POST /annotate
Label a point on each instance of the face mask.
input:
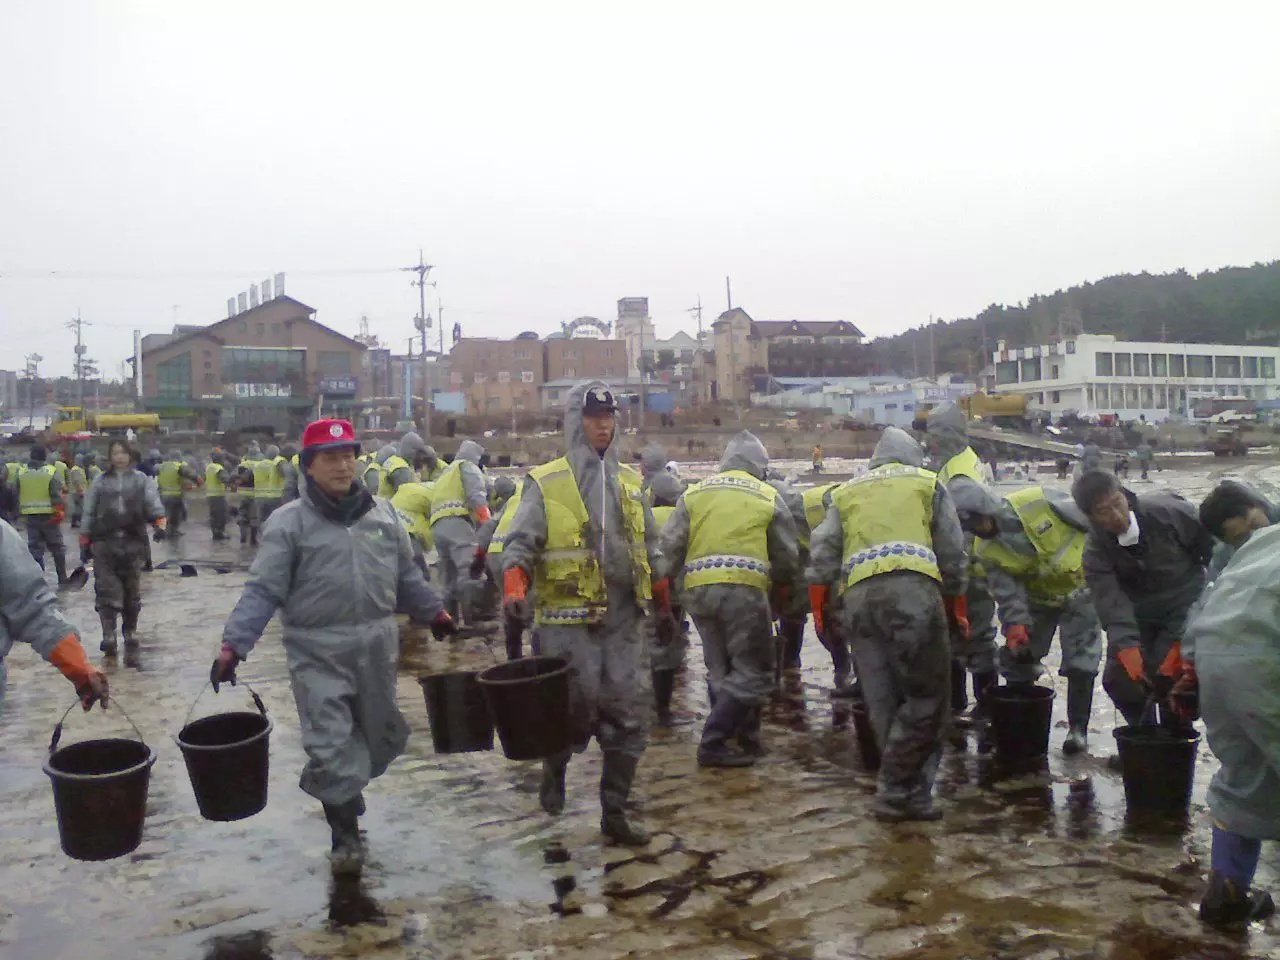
(1130, 536)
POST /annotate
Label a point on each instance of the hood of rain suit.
(653, 460)
(272, 451)
(385, 453)
(746, 452)
(253, 451)
(897, 446)
(947, 431)
(430, 455)
(504, 488)
(471, 451)
(411, 445)
(665, 490)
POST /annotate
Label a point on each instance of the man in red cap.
(340, 632)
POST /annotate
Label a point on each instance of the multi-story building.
(498, 376)
(266, 365)
(1097, 374)
(813, 348)
(8, 391)
(741, 355)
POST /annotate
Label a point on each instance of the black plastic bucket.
(100, 794)
(459, 714)
(1159, 766)
(1020, 721)
(866, 734)
(529, 702)
(227, 757)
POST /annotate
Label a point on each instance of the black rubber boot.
(664, 684)
(792, 642)
(749, 739)
(551, 792)
(60, 565)
(346, 853)
(959, 687)
(615, 786)
(1225, 906)
(514, 631)
(1079, 709)
(727, 718)
(108, 619)
(129, 627)
(982, 682)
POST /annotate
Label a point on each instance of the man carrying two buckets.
(340, 633)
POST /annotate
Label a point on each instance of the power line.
(47, 274)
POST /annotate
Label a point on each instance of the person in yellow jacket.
(172, 477)
(459, 505)
(41, 505)
(269, 481)
(247, 473)
(733, 536)
(892, 546)
(402, 465)
(77, 483)
(433, 467)
(412, 502)
(217, 481)
(1032, 544)
(584, 537)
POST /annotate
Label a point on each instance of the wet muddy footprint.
(674, 890)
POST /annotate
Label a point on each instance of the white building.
(1097, 374)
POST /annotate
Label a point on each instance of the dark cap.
(599, 400)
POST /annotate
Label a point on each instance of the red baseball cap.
(328, 435)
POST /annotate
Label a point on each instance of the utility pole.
(421, 268)
(77, 325)
(640, 368)
(697, 312)
(728, 293)
(933, 356)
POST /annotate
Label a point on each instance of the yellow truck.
(74, 420)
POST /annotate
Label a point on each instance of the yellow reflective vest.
(60, 471)
(169, 478)
(430, 474)
(508, 514)
(1057, 569)
(569, 587)
(95, 472)
(35, 486)
(394, 462)
(729, 516)
(412, 501)
(966, 464)
(16, 470)
(76, 480)
(887, 517)
(661, 515)
(267, 483)
(448, 495)
(215, 480)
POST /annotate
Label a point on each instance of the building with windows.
(1096, 374)
(268, 365)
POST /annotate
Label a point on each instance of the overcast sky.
(838, 160)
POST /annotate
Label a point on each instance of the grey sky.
(839, 160)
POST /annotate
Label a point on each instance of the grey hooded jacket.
(121, 503)
(746, 453)
(948, 437)
(597, 477)
(826, 549)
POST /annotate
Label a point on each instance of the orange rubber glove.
(84, 541)
(91, 684)
(1173, 664)
(59, 512)
(161, 523)
(818, 603)
(958, 614)
(515, 589)
(1131, 659)
(662, 596)
(482, 515)
(1185, 696)
(1016, 638)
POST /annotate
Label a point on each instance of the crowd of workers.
(908, 571)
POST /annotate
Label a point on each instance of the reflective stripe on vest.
(568, 585)
(887, 516)
(729, 517)
(34, 491)
(448, 495)
(413, 504)
(505, 518)
(394, 462)
(215, 484)
(815, 510)
(1057, 569)
(169, 478)
(76, 479)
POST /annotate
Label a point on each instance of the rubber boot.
(749, 739)
(726, 719)
(792, 642)
(108, 644)
(551, 792)
(129, 627)
(1079, 709)
(514, 631)
(959, 687)
(346, 853)
(664, 684)
(60, 565)
(253, 537)
(615, 786)
(982, 682)
(1224, 905)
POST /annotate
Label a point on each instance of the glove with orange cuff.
(1018, 642)
(662, 596)
(515, 589)
(1184, 698)
(1130, 658)
(818, 604)
(59, 512)
(482, 515)
(91, 684)
(159, 525)
(958, 614)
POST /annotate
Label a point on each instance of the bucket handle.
(57, 730)
(257, 700)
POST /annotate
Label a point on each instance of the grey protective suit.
(609, 688)
(1144, 593)
(734, 620)
(653, 463)
(410, 448)
(897, 628)
(117, 509)
(455, 537)
(269, 505)
(668, 653)
(28, 608)
(1090, 459)
(250, 514)
(42, 532)
(1236, 634)
(947, 437)
(337, 581)
(1075, 620)
(216, 501)
(372, 477)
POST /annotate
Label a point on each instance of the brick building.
(268, 365)
(501, 376)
